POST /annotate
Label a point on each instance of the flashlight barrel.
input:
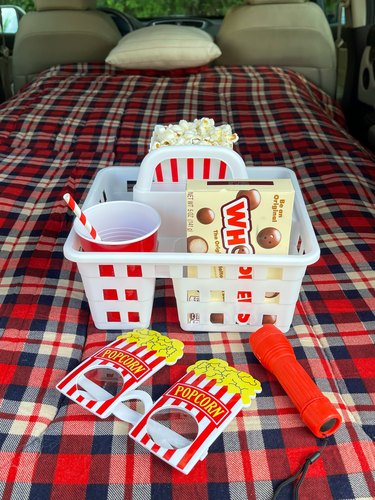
(276, 354)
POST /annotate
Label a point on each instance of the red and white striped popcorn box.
(212, 393)
(134, 357)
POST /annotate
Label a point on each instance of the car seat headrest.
(41, 5)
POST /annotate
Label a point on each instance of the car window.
(157, 8)
(8, 20)
(146, 9)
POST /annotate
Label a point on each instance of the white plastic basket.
(120, 286)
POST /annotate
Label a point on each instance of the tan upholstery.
(48, 37)
(293, 34)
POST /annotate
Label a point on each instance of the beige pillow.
(164, 47)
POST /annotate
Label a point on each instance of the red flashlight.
(276, 354)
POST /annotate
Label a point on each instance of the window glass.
(24, 4)
(158, 8)
(331, 9)
(144, 9)
(8, 20)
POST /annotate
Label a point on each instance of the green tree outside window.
(154, 8)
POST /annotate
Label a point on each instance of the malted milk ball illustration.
(196, 244)
(269, 237)
(252, 195)
(205, 215)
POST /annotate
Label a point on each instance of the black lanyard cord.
(300, 474)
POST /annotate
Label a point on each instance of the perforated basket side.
(242, 299)
(120, 296)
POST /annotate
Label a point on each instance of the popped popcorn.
(238, 382)
(165, 347)
(198, 132)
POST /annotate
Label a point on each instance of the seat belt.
(5, 64)
(341, 51)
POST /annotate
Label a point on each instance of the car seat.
(286, 33)
(366, 91)
(61, 32)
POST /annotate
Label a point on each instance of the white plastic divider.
(172, 166)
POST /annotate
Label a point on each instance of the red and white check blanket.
(54, 137)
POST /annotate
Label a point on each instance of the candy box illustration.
(239, 216)
(213, 393)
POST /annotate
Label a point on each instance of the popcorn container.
(210, 395)
(133, 357)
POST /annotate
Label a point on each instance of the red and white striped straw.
(81, 216)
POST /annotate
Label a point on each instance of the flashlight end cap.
(321, 417)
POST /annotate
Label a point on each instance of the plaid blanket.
(54, 137)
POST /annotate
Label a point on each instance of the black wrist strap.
(300, 474)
